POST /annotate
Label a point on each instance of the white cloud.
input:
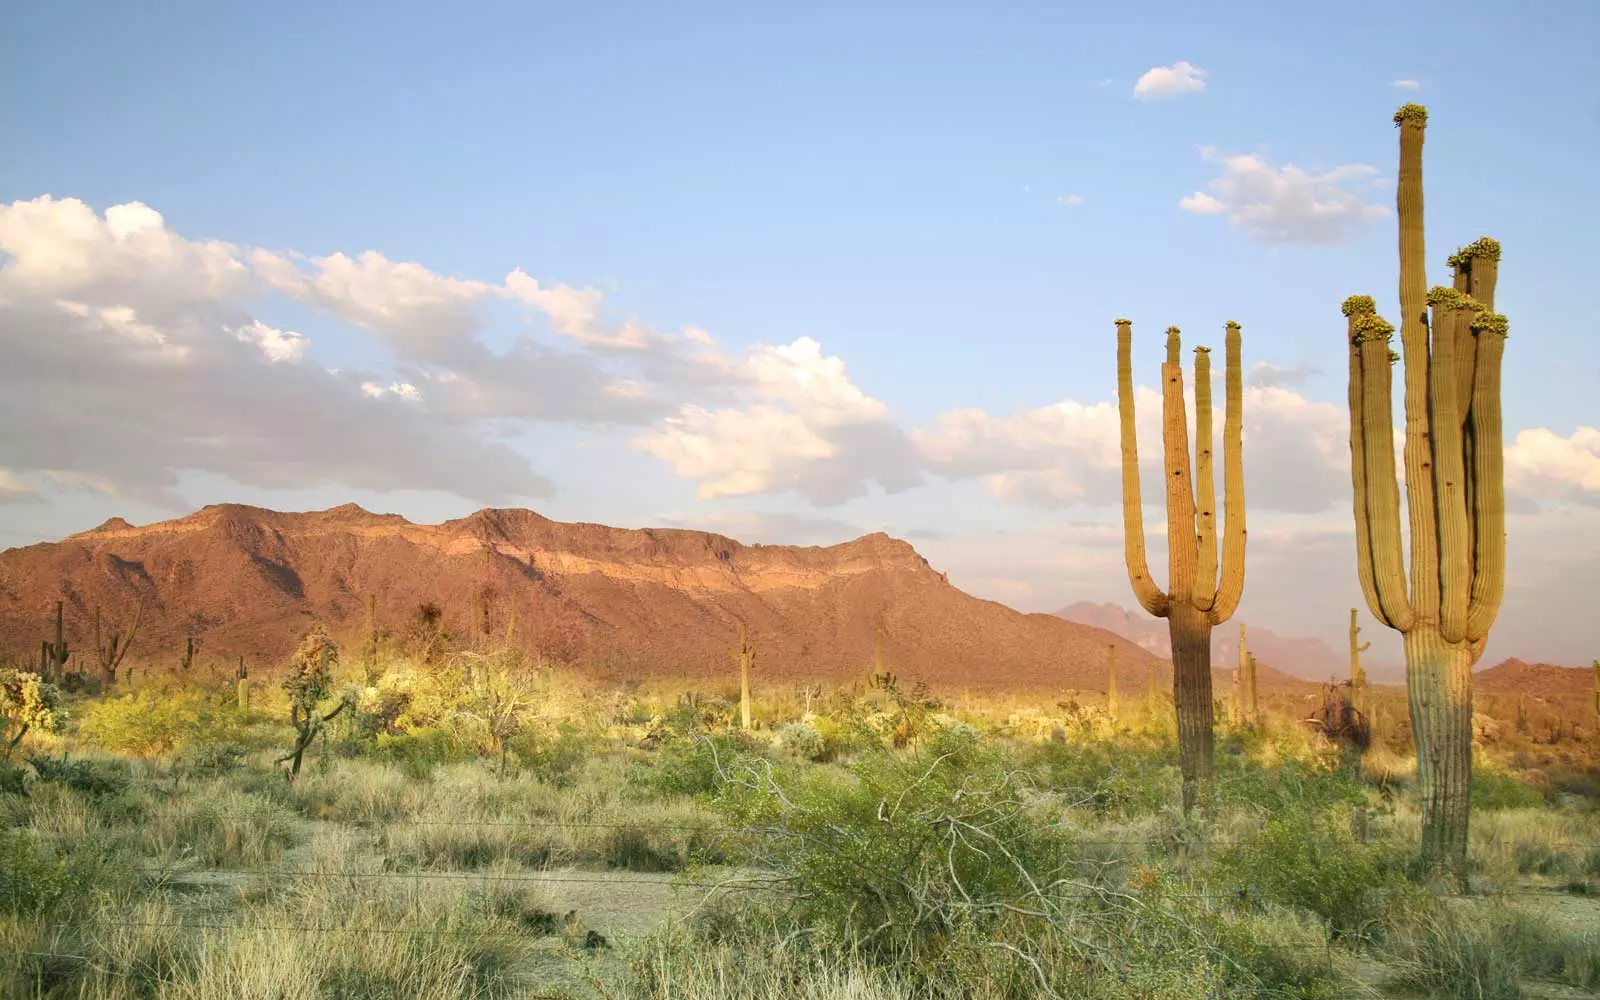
(1069, 200)
(808, 428)
(1407, 85)
(277, 345)
(1169, 81)
(1545, 466)
(14, 490)
(1288, 204)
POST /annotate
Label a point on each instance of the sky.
(792, 275)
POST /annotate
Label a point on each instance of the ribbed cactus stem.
(1205, 587)
(1111, 682)
(1454, 490)
(1358, 676)
(745, 657)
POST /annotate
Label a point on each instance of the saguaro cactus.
(241, 678)
(1111, 681)
(369, 645)
(1455, 492)
(1358, 676)
(191, 649)
(745, 657)
(112, 651)
(1249, 707)
(1196, 600)
(53, 661)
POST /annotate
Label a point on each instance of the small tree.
(27, 703)
(501, 700)
(310, 682)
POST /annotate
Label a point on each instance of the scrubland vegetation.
(484, 826)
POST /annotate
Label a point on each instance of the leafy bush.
(96, 779)
(38, 878)
(1311, 861)
(27, 704)
(418, 752)
(554, 756)
(804, 741)
(160, 724)
(688, 765)
(1498, 790)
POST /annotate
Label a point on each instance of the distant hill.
(617, 603)
(1536, 680)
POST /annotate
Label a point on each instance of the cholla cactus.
(1455, 492)
(27, 703)
(1196, 600)
(310, 682)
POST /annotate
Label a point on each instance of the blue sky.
(952, 200)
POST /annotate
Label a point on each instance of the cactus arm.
(1231, 587)
(1180, 490)
(1144, 588)
(1381, 488)
(1412, 121)
(1488, 481)
(1451, 311)
(1354, 308)
(1205, 583)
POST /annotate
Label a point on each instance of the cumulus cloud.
(1287, 204)
(1543, 465)
(1068, 454)
(1406, 85)
(805, 427)
(1181, 77)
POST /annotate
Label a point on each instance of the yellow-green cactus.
(745, 657)
(1198, 597)
(1358, 676)
(1454, 491)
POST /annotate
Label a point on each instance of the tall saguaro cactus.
(1111, 682)
(1455, 492)
(745, 657)
(53, 658)
(1249, 708)
(1196, 600)
(1358, 675)
(111, 650)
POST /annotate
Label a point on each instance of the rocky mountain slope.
(618, 603)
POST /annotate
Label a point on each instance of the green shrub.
(688, 765)
(38, 878)
(96, 779)
(161, 724)
(418, 752)
(554, 756)
(1310, 861)
(1497, 790)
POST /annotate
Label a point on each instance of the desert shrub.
(1498, 790)
(48, 877)
(688, 765)
(554, 755)
(94, 778)
(805, 742)
(1287, 784)
(419, 751)
(1115, 779)
(1311, 861)
(158, 724)
(904, 849)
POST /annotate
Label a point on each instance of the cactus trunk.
(1439, 686)
(1191, 691)
(1358, 676)
(369, 648)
